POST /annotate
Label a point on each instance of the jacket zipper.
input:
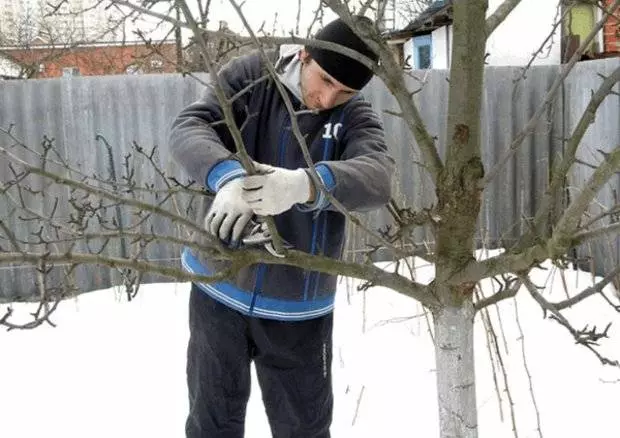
(262, 269)
(260, 275)
(283, 136)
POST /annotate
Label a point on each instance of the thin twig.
(357, 405)
(527, 369)
(486, 320)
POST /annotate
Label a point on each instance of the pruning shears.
(258, 234)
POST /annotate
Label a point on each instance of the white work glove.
(229, 213)
(275, 189)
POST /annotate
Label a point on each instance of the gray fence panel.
(602, 136)
(514, 194)
(74, 112)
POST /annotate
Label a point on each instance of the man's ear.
(304, 56)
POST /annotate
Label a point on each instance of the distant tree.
(408, 10)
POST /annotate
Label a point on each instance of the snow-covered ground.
(113, 368)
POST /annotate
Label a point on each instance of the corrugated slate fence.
(602, 255)
(93, 123)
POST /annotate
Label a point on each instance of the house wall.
(523, 32)
(8, 69)
(442, 45)
(408, 53)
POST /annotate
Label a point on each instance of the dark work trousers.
(293, 364)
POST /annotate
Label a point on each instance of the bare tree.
(36, 181)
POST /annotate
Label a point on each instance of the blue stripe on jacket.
(223, 172)
(264, 307)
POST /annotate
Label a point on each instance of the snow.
(117, 368)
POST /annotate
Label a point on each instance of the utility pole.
(177, 38)
(386, 14)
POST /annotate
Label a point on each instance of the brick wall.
(611, 31)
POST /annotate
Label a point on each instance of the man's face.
(320, 90)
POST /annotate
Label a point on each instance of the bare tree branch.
(612, 212)
(585, 236)
(298, 18)
(38, 318)
(370, 273)
(318, 17)
(509, 290)
(587, 337)
(502, 264)
(594, 289)
(34, 258)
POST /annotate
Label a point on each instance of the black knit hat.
(345, 70)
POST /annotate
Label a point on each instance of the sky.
(112, 368)
(281, 13)
(257, 11)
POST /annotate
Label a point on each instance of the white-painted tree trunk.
(454, 353)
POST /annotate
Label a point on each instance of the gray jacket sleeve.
(201, 145)
(361, 179)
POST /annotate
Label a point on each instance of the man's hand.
(274, 190)
(229, 213)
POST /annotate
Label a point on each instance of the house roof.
(437, 15)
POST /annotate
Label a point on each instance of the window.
(422, 51)
(70, 71)
(578, 23)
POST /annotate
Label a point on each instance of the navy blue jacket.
(348, 148)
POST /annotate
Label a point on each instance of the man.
(278, 316)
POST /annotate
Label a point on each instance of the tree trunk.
(458, 207)
(454, 354)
